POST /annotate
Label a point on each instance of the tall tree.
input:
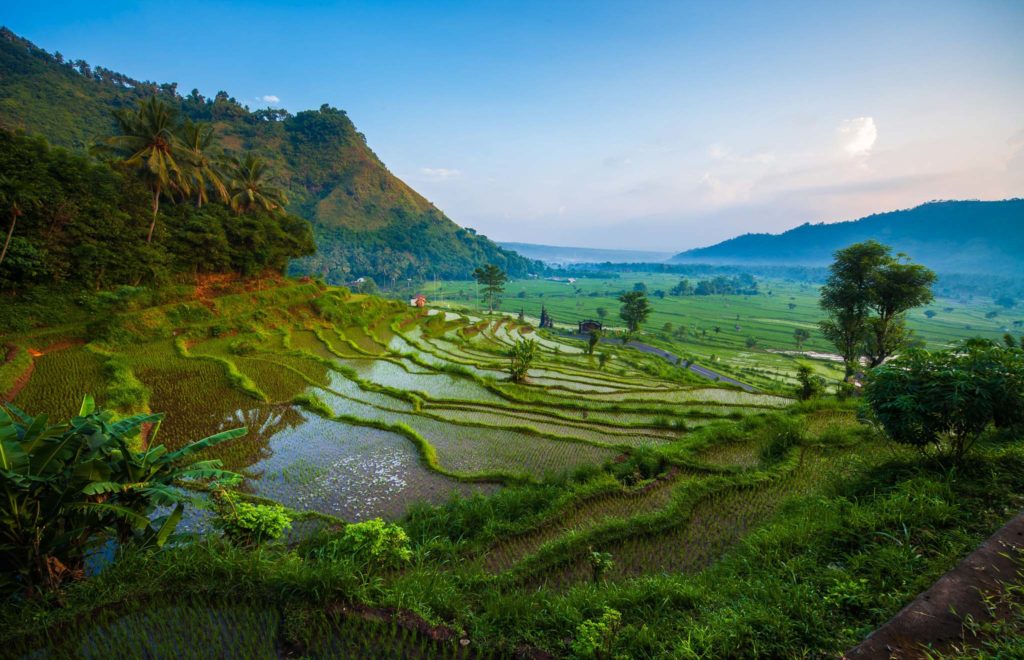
(846, 297)
(200, 144)
(493, 280)
(866, 296)
(148, 141)
(800, 335)
(897, 286)
(635, 309)
(15, 197)
(251, 188)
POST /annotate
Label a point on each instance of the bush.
(71, 487)
(248, 524)
(594, 637)
(947, 399)
(373, 542)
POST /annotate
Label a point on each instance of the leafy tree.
(947, 399)
(70, 487)
(800, 335)
(897, 286)
(521, 356)
(200, 145)
(592, 341)
(602, 312)
(930, 313)
(249, 186)
(751, 342)
(15, 197)
(635, 309)
(810, 385)
(641, 287)
(149, 143)
(865, 298)
(603, 358)
(493, 280)
(683, 288)
(1006, 301)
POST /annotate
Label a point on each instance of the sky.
(641, 125)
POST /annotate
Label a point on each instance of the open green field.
(707, 499)
(715, 330)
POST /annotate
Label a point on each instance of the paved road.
(710, 374)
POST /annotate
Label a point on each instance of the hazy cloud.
(270, 98)
(440, 173)
(857, 136)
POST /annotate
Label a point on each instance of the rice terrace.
(260, 398)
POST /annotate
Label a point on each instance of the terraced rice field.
(361, 412)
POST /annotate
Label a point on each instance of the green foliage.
(600, 563)
(810, 385)
(372, 543)
(249, 524)
(947, 399)
(595, 637)
(635, 309)
(492, 279)
(866, 297)
(89, 228)
(69, 487)
(521, 356)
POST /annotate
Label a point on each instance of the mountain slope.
(366, 220)
(953, 236)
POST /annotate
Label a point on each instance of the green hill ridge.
(366, 220)
(950, 236)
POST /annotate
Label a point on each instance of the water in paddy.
(352, 472)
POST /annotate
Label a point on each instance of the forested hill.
(366, 220)
(952, 236)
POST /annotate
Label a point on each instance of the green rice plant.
(236, 377)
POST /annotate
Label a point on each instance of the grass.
(738, 524)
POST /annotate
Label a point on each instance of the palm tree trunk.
(10, 232)
(156, 209)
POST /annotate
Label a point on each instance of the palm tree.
(200, 144)
(149, 142)
(251, 188)
(16, 199)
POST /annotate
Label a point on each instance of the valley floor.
(736, 523)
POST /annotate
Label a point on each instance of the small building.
(419, 300)
(589, 326)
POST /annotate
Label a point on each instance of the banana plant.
(65, 488)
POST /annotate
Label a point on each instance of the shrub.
(70, 487)
(248, 524)
(372, 542)
(594, 637)
(947, 399)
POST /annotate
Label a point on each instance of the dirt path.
(935, 620)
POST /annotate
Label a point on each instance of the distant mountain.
(561, 256)
(951, 237)
(366, 220)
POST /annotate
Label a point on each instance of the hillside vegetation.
(366, 220)
(953, 236)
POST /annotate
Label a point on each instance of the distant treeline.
(949, 285)
(608, 269)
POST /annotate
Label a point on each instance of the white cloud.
(270, 98)
(857, 136)
(440, 173)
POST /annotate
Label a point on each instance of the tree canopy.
(865, 298)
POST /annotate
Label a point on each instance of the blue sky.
(613, 124)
